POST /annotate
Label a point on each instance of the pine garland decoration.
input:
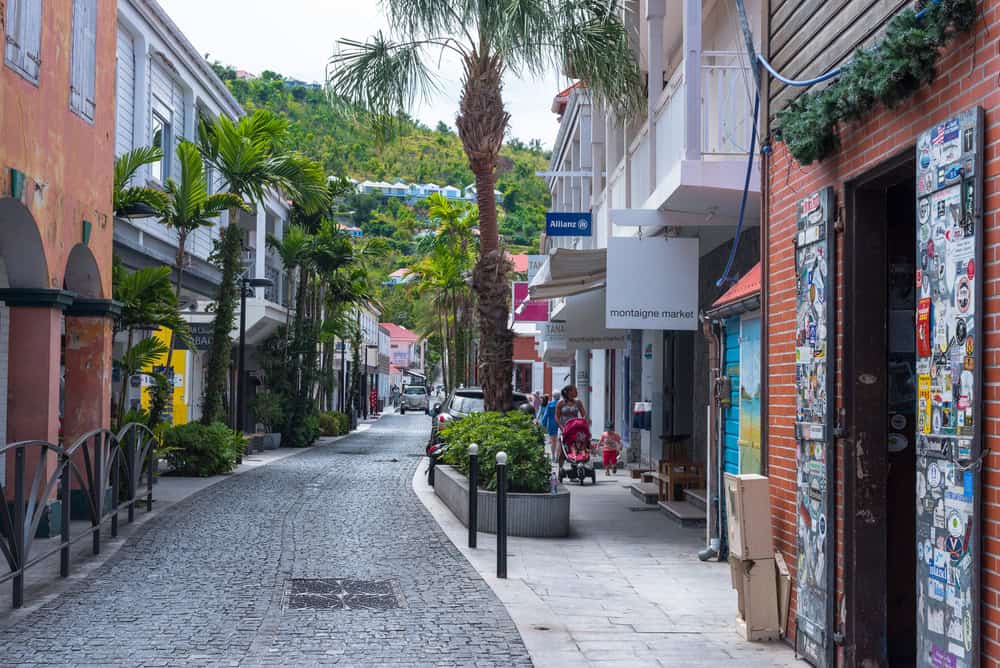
(887, 74)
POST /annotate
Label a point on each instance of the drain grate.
(341, 594)
(642, 509)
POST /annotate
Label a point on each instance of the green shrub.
(302, 434)
(268, 410)
(528, 467)
(334, 423)
(195, 449)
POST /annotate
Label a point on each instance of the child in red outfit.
(611, 444)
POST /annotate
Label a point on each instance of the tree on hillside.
(385, 76)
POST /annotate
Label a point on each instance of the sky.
(297, 37)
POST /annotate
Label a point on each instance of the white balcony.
(700, 162)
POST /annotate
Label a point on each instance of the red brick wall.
(524, 349)
(968, 75)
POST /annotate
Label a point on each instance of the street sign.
(201, 332)
(568, 224)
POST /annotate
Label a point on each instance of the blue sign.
(568, 224)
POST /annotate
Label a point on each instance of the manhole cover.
(340, 594)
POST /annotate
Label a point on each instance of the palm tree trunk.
(125, 385)
(220, 351)
(482, 122)
(179, 262)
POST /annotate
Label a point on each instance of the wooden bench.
(675, 476)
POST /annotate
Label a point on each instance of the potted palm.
(269, 413)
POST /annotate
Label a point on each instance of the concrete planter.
(528, 515)
(272, 441)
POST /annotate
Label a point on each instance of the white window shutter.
(83, 77)
(76, 58)
(90, 60)
(31, 44)
(12, 36)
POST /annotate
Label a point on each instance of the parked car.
(415, 399)
(462, 402)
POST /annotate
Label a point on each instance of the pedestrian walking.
(611, 445)
(547, 419)
(568, 408)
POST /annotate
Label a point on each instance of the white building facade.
(678, 171)
(164, 88)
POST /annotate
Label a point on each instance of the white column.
(140, 96)
(692, 79)
(652, 390)
(260, 243)
(655, 11)
(582, 380)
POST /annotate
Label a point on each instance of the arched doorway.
(30, 323)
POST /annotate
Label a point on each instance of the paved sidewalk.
(207, 583)
(625, 589)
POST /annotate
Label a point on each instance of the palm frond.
(380, 78)
(593, 45)
(141, 355)
(127, 164)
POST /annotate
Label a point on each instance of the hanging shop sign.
(568, 224)
(535, 264)
(652, 283)
(581, 326)
(526, 310)
(949, 339)
(814, 404)
(201, 333)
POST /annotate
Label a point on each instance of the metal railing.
(98, 465)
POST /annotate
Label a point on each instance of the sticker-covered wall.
(957, 340)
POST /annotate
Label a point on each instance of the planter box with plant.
(334, 423)
(268, 411)
(532, 510)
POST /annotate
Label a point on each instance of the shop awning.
(570, 272)
(579, 325)
(743, 297)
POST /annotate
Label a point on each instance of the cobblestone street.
(206, 583)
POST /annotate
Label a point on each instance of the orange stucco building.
(56, 221)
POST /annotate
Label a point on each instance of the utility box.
(757, 589)
(748, 512)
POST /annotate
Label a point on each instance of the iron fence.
(100, 467)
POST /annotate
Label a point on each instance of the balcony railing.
(725, 122)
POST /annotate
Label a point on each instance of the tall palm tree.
(188, 208)
(384, 76)
(250, 160)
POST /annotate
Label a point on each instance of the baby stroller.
(576, 451)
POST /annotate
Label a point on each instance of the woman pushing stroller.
(569, 408)
(575, 430)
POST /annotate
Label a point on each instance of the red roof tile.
(746, 286)
(399, 332)
(520, 262)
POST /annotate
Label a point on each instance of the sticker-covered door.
(949, 341)
(814, 417)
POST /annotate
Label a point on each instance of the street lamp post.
(245, 285)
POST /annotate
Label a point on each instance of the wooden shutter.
(84, 58)
(23, 38)
(31, 39)
(12, 37)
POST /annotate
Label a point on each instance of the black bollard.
(473, 493)
(430, 471)
(502, 514)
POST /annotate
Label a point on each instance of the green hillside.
(348, 147)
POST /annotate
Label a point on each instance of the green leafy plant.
(887, 74)
(268, 409)
(528, 467)
(334, 423)
(195, 449)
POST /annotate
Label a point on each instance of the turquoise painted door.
(731, 415)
